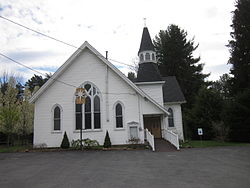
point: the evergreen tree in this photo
(175, 58)
(131, 76)
(223, 86)
(65, 141)
(107, 142)
(240, 46)
(205, 112)
(36, 81)
(237, 117)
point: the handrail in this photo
(150, 139)
(172, 138)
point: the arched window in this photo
(147, 56)
(87, 111)
(57, 119)
(78, 116)
(97, 113)
(141, 57)
(119, 116)
(91, 110)
(170, 118)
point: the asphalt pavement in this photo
(220, 167)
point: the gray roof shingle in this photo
(146, 42)
(172, 91)
(148, 72)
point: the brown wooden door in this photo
(153, 124)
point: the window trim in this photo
(98, 93)
(141, 57)
(153, 56)
(172, 117)
(123, 116)
(147, 56)
(52, 118)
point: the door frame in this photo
(154, 116)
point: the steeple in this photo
(148, 70)
(146, 42)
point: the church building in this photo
(88, 92)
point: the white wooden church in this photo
(89, 92)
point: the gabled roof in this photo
(86, 45)
(148, 72)
(146, 42)
(171, 91)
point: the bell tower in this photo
(148, 70)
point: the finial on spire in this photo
(145, 19)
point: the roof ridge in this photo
(68, 62)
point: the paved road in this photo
(227, 167)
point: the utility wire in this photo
(65, 43)
(21, 64)
(58, 40)
(38, 32)
(68, 44)
(35, 70)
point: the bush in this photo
(134, 141)
(107, 142)
(76, 144)
(65, 141)
(221, 131)
(88, 143)
(206, 110)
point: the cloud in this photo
(217, 70)
(211, 12)
(109, 27)
(4, 7)
(30, 56)
(29, 13)
(50, 69)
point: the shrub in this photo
(221, 131)
(76, 144)
(107, 142)
(65, 141)
(88, 143)
(134, 141)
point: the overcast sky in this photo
(112, 25)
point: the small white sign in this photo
(200, 132)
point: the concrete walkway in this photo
(162, 145)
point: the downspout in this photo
(107, 91)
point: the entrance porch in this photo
(157, 134)
(154, 125)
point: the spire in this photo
(148, 70)
(146, 42)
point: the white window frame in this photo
(52, 118)
(123, 116)
(98, 93)
(172, 118)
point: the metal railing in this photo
(150, 139)
(172, 138)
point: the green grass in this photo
(210, 143)
(6, 149)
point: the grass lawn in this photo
(6, 149)
(210, 143)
